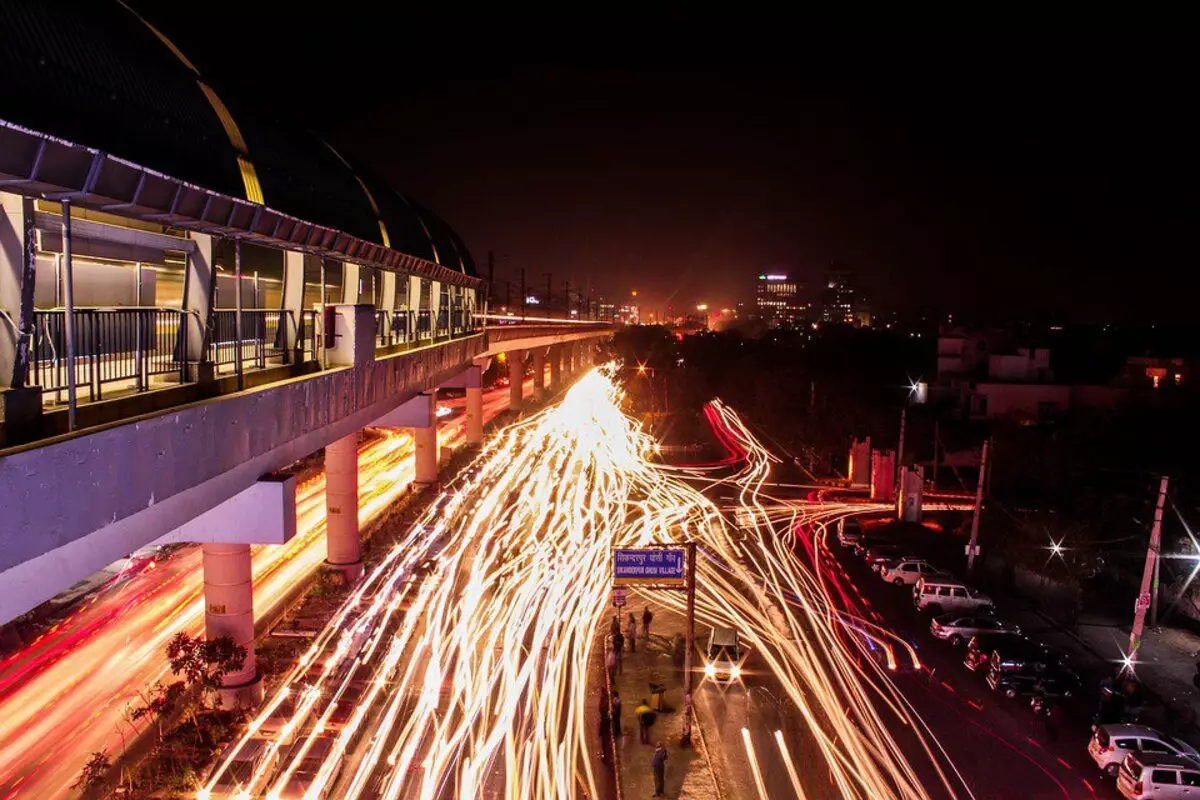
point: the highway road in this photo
(462, 657)
(975, 743)
(66, 695)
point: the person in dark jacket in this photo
(658, 763)
(616, 713)
(647, 618)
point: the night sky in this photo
(994, 177)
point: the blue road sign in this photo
(657, 566)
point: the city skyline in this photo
(1000, 188)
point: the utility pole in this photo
(523, 295)
(1148, 597)
(935, 454)
(900, 451)
(691, 643)
(491, 273)
(974, 546)
(546, 300)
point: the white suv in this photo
(1111, 743)
(907, 571)
(940, 594)
(1158, 776)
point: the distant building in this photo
(778, 300)
(988, 376)
(839, 300)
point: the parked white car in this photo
(958, 629)
(1158, 776)
(907, 571)
(944, 594)
(1110, 744)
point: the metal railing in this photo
(134, 345)
(308, 336)
(263, 337)
(111, 345)
(411, 327)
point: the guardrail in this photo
(411, 327)
(135, 345)
(263, 336)
(111, 345)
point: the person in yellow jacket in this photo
(645, 717)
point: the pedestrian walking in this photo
(631, 632)
(610, 663)
(647, 618)
(658, 763)
(614, 627)
(645, 717)
(605, 722)
(616, 713)
(618, 646)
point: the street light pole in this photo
(900, 452)
(691, 643)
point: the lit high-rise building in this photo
(839, 298)
(778, 300)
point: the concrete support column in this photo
(426, 445)
(556, 367)
(229, 611)
(516, 378)
(539, 374)
(198, 295)
(474, 386)
(350, 276)
(571, 358)
(293, 299)
(343, 547)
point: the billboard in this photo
(650, 566)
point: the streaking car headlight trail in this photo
(478, 687)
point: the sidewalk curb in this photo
(698, 728)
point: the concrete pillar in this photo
(539, 374)
(229, 611)
(350, 283)
(293, 298)
(343, 547)
(883, 475)
(516, 378)
(426, 444)
(435, 303)
(912, 483)
(387, 300)
(474, 386)
(859, 468)
(198, 300)
(556, 367)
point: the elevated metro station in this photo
(191, 300)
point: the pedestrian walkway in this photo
(688, 773)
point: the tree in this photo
(201, 666)
(94, 774)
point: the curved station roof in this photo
(102, 76)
